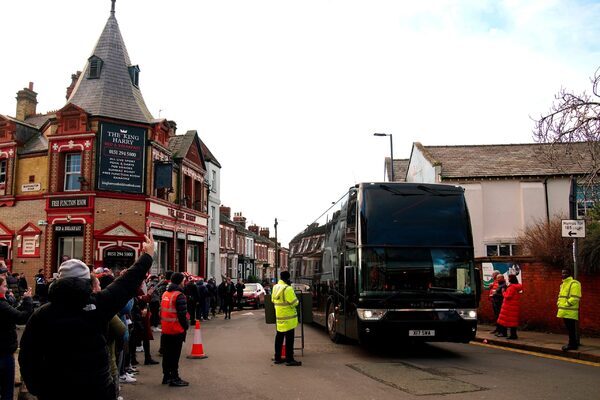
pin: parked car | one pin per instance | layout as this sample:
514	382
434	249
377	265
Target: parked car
254	295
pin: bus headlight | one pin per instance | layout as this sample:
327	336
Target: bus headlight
366	314
467	314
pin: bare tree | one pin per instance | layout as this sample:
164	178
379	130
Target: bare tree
572	128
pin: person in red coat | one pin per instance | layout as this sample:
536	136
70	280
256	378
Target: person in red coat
509	314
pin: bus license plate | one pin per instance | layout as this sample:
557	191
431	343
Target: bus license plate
419	332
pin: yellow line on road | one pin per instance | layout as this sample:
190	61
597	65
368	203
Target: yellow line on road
533	353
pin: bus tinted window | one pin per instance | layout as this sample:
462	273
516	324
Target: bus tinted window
416	216
416	269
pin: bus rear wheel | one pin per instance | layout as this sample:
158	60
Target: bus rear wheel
332	324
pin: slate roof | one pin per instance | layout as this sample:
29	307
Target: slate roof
175	143
40	119
36	144
400	168
208	155
112	94
505	160
23	131
180	144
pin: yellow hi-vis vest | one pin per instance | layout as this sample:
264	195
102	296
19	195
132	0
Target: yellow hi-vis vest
285	302
568	299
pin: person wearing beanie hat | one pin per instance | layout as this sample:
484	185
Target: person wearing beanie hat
73	268
65	338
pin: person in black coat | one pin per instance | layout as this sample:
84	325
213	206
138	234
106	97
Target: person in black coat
212	295
239	288
23	285
9	318
226	291
193	300
63	349
41	290
203	299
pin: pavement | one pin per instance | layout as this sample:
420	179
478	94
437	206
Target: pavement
541	342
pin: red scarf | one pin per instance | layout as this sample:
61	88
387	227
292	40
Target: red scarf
2	296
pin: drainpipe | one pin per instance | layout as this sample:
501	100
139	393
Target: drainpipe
546	196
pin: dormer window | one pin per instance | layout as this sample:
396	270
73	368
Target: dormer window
95	67
134	73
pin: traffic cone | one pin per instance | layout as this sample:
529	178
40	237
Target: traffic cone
283	351
197	347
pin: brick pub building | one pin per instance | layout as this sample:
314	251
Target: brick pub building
87	181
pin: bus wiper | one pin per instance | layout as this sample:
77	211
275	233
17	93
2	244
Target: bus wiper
443	289
435	191
389	189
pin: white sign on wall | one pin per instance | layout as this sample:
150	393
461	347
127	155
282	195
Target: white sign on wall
31	187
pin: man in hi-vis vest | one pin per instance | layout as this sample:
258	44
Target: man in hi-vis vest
285	302
568	307
174	322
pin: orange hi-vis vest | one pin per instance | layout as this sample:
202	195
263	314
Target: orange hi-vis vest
168	314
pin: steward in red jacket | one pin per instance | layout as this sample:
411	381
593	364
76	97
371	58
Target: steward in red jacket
511	306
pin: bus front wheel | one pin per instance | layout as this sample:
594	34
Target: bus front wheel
332	324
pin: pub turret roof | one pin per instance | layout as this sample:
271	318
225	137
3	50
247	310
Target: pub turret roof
110	90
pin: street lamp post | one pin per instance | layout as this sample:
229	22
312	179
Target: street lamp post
276	254
391	153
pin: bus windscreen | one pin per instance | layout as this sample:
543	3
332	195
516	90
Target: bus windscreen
387	269
419	216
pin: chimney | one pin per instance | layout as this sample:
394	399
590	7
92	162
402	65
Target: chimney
238	218
226	211
173	131
264	232
253	228
74	79
26	102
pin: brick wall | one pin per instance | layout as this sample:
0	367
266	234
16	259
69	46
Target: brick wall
538	304
109	211
33	166
15	218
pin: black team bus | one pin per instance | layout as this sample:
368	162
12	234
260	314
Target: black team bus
396	263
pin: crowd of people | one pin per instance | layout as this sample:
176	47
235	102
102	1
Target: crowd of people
89	325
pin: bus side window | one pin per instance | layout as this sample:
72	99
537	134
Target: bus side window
341	277
351	221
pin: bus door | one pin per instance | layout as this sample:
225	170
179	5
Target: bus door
351	327
340	296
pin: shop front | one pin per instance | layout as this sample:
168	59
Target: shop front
6	240
69	241
164	245
118	258
195	255
117	246
70	222
179	238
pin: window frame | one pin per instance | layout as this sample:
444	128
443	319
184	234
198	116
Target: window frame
95	67
512	249
3	170
68	174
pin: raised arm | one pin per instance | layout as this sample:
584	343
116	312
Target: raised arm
114	297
